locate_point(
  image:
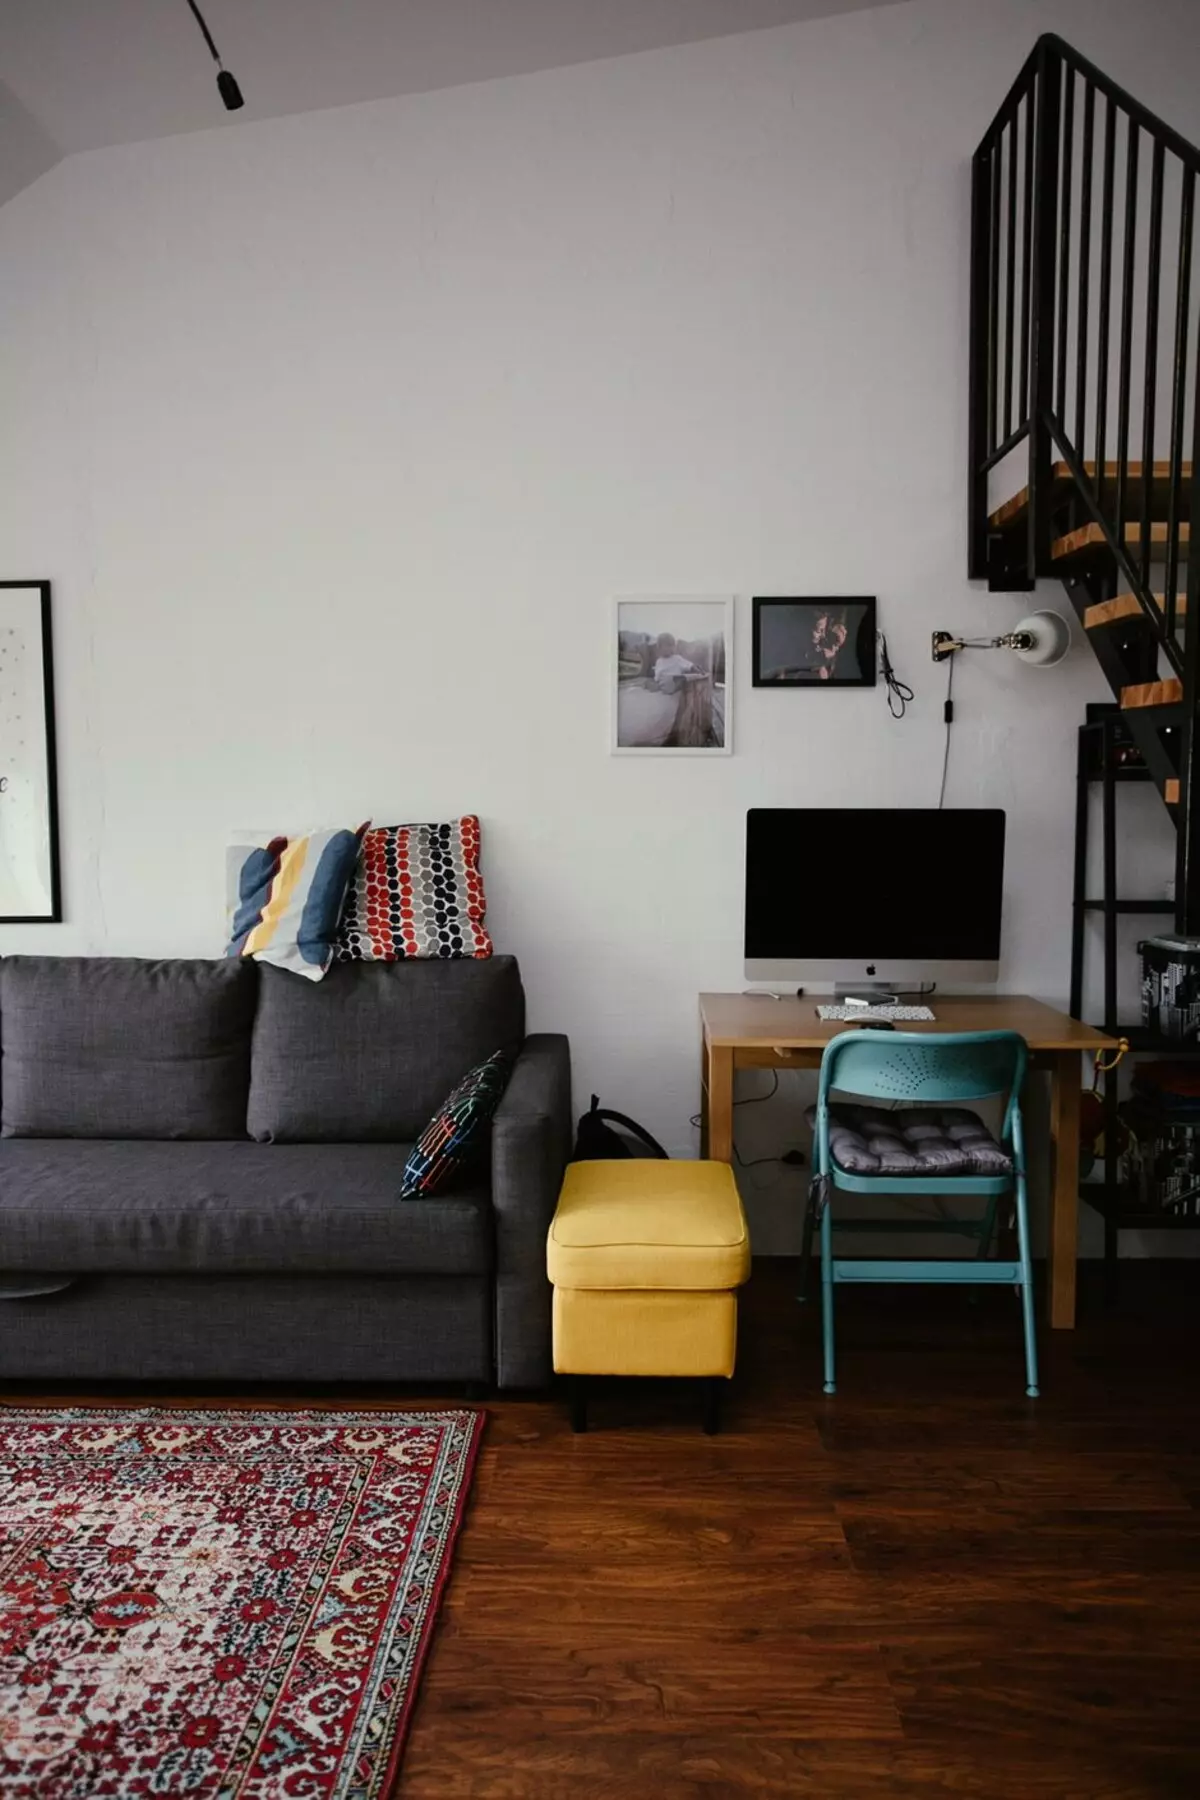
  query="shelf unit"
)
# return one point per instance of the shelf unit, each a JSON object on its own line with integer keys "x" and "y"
{"x": 1103, "y": 742}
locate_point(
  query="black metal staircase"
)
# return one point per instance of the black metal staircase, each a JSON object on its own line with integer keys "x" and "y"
{"x": 1085, "y": 395}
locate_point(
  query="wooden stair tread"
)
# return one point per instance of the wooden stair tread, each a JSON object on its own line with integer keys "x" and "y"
{"x": 1152, "y": 693}
{"x": 1171, "y": 791}
{"x": 1014, "y": 509}
{"x": 1090, "y": 537}
{"x": 1127, "y": 606}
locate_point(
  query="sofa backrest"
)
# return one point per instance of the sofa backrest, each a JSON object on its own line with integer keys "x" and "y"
{"x": 117, "y": 1047}
{"x": 369, "y": 1053}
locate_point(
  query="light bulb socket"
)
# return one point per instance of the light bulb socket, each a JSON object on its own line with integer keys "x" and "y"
{"x": 1042, "y": 640}
{"x": 229, "y": 90}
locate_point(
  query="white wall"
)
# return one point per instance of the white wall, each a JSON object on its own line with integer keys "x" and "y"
{"x": 336, "y": 433}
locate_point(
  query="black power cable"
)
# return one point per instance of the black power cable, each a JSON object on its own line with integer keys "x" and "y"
{"x": 227, "y": 86}
{"x": 899, "y": 694}
{"x": 948, "y": 716}
{"x": 751, "y": 1100}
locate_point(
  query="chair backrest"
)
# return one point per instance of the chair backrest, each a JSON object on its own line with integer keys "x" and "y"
{"x": 919, "y": 1066}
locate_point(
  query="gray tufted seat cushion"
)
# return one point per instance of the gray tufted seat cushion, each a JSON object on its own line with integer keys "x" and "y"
{"x": 926, "y": 1140}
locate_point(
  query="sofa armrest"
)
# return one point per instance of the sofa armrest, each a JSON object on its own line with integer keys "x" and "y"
{"x": 531, "y": 1143}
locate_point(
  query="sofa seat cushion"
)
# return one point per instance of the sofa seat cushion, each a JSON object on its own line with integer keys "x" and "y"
{"x": 916, "y": 1140}
{"x": 232, "y": 1208}
{"x": 120, "y": 1047}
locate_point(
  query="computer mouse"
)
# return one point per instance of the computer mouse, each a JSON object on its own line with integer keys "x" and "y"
{"x": 877, "y": 1025}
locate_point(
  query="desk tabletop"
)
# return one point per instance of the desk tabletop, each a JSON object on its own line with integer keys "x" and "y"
{"x": 740, "y": 1020}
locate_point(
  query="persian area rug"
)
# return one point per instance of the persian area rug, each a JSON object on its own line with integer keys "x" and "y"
{"x": 223, "y": 1605}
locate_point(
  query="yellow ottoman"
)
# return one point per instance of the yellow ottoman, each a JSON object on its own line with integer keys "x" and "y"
{"x": 646, "y": 1258}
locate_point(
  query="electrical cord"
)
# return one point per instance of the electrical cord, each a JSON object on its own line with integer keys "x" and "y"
{"x": 757, "y": 1099}
{"x": 751, "y": 1100}
{"x": 899, "y": 694}
{"x": 748, "y": 1099}
{"x": 948, "y": 716}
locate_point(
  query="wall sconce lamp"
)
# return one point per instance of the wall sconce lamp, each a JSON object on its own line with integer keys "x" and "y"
{"x": 1042, "y": 640}
{"x": 227, "y": 85}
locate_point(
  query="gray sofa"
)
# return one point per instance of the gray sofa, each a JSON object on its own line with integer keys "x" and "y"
{"x": 213, "y": 1152}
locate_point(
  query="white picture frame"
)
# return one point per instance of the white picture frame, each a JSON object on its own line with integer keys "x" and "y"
{"x": 30, "y": 885}
{"x": 671, "y": 665}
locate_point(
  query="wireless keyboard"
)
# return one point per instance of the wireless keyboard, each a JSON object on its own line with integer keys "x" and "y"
{"x": 862, "y": 1015}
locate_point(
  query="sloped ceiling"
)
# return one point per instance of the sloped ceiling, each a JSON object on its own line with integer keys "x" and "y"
{"x": 79, "y": 74}
{"x": 26, "y": 149}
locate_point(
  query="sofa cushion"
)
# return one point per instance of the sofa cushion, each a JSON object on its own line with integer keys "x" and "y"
{"x": 234, "y": 1208}
{"x": 286, "y": 897}
{"x": 115, "y": 1047}
{"x": 417, "y": 891}
{"x": 368, "y": 1054}
{"x": 457, "y": 1132}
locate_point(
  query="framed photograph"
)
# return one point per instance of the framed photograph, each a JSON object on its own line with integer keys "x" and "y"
{"x": 672, "y": 676}
{"x": 814, "y": 643}
{"x": 29, "y": 876}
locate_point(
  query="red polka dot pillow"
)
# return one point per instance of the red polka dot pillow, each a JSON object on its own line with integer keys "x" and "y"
{"x": 417, "y": 891}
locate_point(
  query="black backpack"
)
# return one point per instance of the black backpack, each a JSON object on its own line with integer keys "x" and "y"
{"x": 596, "y": 1141}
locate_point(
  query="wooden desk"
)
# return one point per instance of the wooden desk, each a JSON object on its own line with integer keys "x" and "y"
{"x": 752, "y": 1031}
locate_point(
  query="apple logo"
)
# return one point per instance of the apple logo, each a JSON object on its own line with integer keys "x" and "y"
{"x": 870, "y": 968}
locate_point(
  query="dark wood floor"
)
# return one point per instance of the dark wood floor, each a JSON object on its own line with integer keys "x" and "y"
{"x": 927, "y": 1586}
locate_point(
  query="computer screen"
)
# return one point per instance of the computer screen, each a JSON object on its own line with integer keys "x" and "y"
{"x": 873, "y": 890}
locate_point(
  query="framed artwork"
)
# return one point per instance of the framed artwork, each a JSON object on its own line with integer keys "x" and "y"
{"x": 814, "y": 643}
{"x": 671, "y": 674}
{"x": 30, "y": 891}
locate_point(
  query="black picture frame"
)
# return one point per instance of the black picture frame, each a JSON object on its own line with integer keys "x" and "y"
{"x": 822, "y": 672}
{"x": 54, "y": 914}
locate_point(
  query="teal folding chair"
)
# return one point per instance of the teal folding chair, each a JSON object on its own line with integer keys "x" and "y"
{"x": 915, "y": 1067}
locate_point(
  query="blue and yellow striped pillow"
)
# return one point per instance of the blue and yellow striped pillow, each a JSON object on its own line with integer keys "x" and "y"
{"x": 286, "y": 898}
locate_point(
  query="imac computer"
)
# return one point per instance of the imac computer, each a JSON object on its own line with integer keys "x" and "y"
{"x": 872, "y": 899}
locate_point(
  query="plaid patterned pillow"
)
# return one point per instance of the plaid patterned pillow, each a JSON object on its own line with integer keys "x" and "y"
{"x": 456, "y": 1128}
{"x": 417, "y": 891}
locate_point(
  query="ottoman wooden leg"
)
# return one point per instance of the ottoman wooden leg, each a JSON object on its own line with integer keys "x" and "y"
{"x": 713, "y": 1385}
{"x": 578, "y": 1392}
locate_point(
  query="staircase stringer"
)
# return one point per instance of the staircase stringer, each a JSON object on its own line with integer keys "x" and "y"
{"x": 1127, "y": 659}
{"x": 1127, "y": 570}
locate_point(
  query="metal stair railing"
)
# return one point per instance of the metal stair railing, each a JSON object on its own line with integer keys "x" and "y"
{"x": 1045, "y": 357}
{"x": 1083, "y": 233}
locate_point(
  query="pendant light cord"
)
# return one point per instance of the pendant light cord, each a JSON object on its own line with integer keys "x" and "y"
{"x": 227, "y": 86}
{"x": 205, "y": 33}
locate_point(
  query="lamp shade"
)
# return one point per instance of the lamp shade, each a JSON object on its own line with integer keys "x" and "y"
{"x": 1049, "y": 638}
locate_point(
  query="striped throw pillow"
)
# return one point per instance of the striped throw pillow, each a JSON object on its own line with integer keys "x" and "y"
{"x": 454, "y": 1133}
{"x": 286, "y": 898}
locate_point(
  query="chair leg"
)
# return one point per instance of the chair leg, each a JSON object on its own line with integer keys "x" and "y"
{"x": 1111, "y": 1264}
{"x": 987, "y": 1230}
{"x": 578, "y": 1392}
{"x": 1031, "y": 1364}
{"x": 806, "y": 1245}
{"x": 713, "y": 1385}
{"x": 827, "y": 1297}
{"x": 984, "y": 1236}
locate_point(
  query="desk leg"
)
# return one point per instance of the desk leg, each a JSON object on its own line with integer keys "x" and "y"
{"x": 1064, "y": 1195}
{"x": 703, "y": 1096}
{"x": 720, "y": 1105}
